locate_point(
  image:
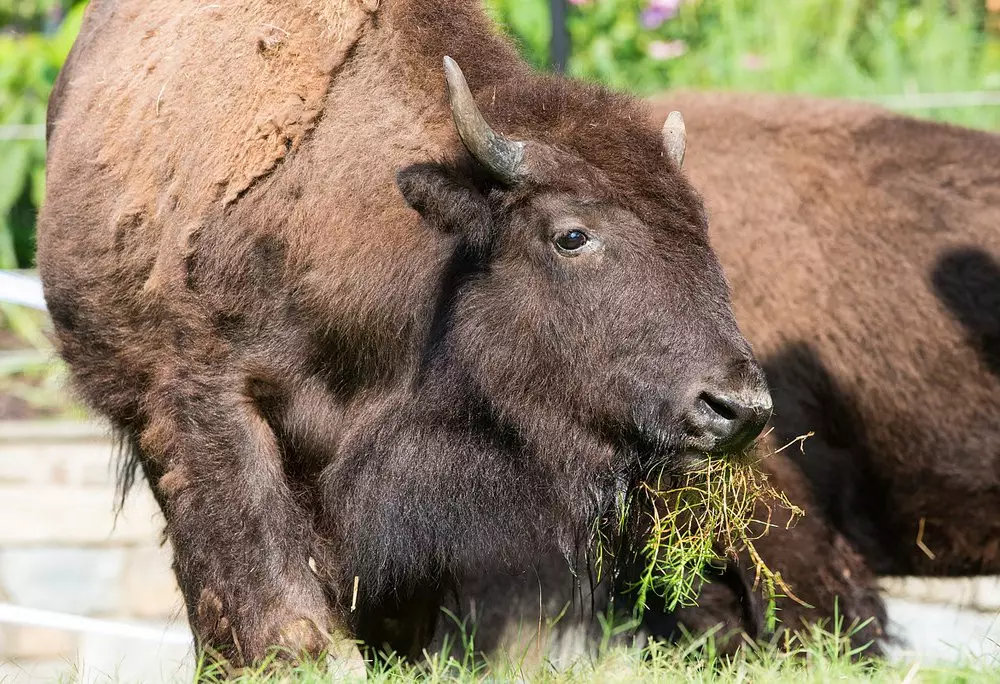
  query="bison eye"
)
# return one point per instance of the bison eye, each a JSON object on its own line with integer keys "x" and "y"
{"x": 571, "y": 241}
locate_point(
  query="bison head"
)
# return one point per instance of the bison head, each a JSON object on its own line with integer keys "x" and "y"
{"x": 592, "y": 309}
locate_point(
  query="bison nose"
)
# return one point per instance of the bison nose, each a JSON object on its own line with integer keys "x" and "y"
{"x": 727, "y": 421}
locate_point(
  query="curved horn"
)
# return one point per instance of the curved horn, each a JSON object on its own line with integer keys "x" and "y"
{"x": 675, "y": 138}
{"x": 500, "y": 156}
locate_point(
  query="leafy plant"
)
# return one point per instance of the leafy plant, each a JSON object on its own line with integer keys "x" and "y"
{"x": 687, "y": 522}
{"x": 29, "y": 63}
{"x": 528, "y": 23}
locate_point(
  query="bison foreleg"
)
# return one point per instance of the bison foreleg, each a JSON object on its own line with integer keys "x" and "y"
{"x": 241, "y": 542}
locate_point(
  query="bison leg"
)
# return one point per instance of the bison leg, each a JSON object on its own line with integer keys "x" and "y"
{"x": 242, "y": 544}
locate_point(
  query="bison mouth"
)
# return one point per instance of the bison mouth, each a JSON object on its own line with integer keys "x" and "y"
{"x": 656, "y": 450}
{"x": 679, "y": 445}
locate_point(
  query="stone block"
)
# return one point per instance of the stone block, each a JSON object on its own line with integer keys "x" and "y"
{"x": 27, "y": 642}
{"x": 53, "y": 453}
{"x": 901, "y": 587}
{"x": 956, "y": 591}
{"x": 51, "y": 515}
{"x": 99, "y": 472}
{"x": 105, "y": 658}
{"x": 80, "y": 581}
{"x": 941, "y": 633}
{"x": 150, "y": 589}
{"x": 987, "y": 596}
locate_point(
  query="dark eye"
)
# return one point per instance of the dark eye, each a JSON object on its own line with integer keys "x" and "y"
{"x": 571, "y": 240}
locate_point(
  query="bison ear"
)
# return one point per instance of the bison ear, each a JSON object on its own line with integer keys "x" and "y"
{"x": 445, "y": 199}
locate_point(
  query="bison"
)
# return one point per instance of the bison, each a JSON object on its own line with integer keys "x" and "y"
{"x": 374, "y": 329}
{"x": 863, "y": 248}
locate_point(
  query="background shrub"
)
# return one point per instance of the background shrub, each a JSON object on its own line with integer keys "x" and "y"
{"x": 34, "y": 41}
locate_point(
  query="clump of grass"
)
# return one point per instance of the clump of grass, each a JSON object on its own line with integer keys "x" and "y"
{"x": 823, "y": 653}
{"x": 700, "y": 519}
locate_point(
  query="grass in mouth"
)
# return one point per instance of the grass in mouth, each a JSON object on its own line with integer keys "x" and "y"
{"x": 709, "y": 514}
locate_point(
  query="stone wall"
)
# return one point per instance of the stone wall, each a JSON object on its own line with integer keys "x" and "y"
{"x": 951, "y": 619}
{"x": 61, "y": 549}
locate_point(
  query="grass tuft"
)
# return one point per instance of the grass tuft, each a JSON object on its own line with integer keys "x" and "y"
{"x": 821, "y": 654}
{"x": 700, "y": 519}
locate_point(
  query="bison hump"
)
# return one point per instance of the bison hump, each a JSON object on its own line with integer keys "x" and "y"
{"x": 187, "y": 104}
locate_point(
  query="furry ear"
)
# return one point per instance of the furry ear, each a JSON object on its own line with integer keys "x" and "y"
{"x": 446, "y": 199}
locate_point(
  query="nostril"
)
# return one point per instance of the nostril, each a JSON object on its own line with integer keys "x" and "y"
{"x": 720, "y": 406}
{"x": 724, "y": 422}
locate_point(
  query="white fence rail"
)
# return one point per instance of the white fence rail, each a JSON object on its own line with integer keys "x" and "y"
{"x": 21, "y": 288}
{"x": 108, "y": 651}
{"x": 33, "y": 617}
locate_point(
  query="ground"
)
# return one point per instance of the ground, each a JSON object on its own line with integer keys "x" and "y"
{"x": 820, "y": 657}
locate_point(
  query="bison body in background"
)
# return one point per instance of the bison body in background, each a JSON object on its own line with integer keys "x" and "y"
{"x": 863, "y": 248}
{"x": 361, "y": 363}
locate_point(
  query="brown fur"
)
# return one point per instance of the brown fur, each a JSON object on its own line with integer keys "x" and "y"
{"x": 312, "y": 374}
{"x": 341, "y": 353}
{"x": 864, "y": 252}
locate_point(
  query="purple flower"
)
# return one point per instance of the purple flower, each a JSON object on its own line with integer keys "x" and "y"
{"x": 659, "y": 11}
{"x": 664, "y": 50}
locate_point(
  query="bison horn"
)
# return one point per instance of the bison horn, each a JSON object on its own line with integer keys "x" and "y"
{"x": 675, "y": 138}
{"x": 500, "y": 156}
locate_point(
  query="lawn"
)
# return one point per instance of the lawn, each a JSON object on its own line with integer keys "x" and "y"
{"x": 820, "y": 656}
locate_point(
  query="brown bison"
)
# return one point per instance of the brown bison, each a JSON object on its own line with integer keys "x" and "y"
{"x": 863, "y": 248}
{"x": 371, "y": 335}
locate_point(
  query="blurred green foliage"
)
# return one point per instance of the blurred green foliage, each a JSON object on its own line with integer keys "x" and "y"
{"x": 30, "y": 57}
{"x": 528, "y": 22}
{"x": 859, "y": 48}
